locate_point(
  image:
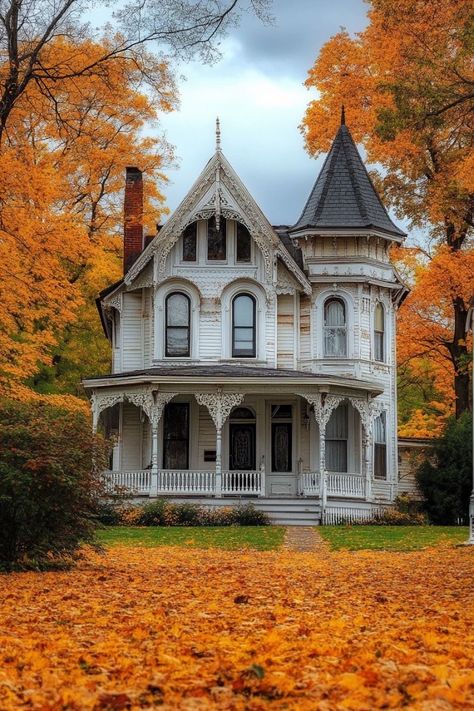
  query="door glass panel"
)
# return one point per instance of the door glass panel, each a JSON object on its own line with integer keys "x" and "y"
{"x": 242, "y": 446}
{"x": 176, "y": 436}
{"x": 281, "y": 446}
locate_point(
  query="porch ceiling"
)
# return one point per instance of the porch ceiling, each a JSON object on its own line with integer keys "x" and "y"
{"x": 255, "y": 378}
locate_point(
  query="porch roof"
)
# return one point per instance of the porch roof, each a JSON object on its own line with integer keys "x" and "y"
{"x": 229, "y": 374}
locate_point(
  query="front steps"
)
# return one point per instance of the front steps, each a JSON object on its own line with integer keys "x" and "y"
{"x": 281, "y": 511}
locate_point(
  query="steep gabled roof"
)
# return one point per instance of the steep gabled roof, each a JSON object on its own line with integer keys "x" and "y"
{"x": 344, "y": 196}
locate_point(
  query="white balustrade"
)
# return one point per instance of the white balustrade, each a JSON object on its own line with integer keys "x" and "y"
{"x": 242, "y": 482}
{"x": 347, "y": 485}
{"x": 137, "y": 482}
{"x": 310, "y": 483}
{"x": 186, "y": 481}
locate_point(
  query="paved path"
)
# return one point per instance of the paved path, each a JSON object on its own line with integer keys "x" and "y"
{"x": 305, "y": 539}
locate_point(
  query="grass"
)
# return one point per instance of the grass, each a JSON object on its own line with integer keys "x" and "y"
{"x": 392, "y": 538}
{"x": 263, "y": 538}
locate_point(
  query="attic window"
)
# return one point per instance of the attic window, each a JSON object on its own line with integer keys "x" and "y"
{"x": 190, "y": 242}
{"x": 244, "y": 245}
{"x": 216, "y": 240}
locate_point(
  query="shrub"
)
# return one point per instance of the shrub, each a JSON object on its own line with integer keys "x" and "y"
{"x": 165, "y": 513}
{"x": 392, "y": 517}
{"x": 153, "y": 514}
{"x": 49, "y": 488}
{"x": 446, "y": 481}
{"x": 248, "y": 515}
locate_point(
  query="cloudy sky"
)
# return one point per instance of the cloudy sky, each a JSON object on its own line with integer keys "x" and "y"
{"x": 257, "y": 91}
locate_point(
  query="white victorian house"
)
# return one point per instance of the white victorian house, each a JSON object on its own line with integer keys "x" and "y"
{"x": 252, "y": 360}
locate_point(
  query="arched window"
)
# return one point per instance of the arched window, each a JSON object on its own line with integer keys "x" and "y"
{"x": 216, "y": 239}
{"x": 243, "y": 250}
{"x": 379, "y": 332}
{"x": 335, "y": 328}
{"x": 243, "y": 326}
{"x": 178, "y": 329}
{"x": 380, "y": 447}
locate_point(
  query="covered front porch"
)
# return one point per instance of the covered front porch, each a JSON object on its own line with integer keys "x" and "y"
{"x": 302, "y": 436}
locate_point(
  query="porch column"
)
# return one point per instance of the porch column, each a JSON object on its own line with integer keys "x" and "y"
{"x": 367, "y": 445}
{"x": 323, "y": 405}
{"x": 368, "y": 411}
{"x": 219, "y": 405}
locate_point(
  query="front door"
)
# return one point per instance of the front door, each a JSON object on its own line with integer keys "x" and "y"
{"x": 242, "y": 446}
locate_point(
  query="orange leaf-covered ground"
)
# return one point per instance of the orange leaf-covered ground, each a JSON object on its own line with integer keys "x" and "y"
{"x": 194, "y": 629}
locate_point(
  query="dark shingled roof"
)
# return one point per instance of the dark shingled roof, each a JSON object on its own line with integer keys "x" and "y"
{"x": 295, "y": 252}
{"x": 218, "y": 370}
{"x": 344, "y": 195}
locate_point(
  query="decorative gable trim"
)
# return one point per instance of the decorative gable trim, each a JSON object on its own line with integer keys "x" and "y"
{"x": 220, "y": 192}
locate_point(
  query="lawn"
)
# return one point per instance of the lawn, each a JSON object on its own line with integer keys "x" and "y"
{"x": 262, "y": 538}
{"x": 392, "y": 538}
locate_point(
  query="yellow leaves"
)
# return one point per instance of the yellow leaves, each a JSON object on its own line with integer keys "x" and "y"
{"x": 143, "y": 628}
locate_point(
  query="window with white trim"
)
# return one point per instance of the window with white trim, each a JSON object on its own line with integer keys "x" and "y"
{"x": 380, "y": 447}
{"x": 379, "y": 332}
{"x": 178, "y": 326}
{"x": 336, "y": 439}
{"x": 243, "y": 326}
{"x": 335, "y": 328}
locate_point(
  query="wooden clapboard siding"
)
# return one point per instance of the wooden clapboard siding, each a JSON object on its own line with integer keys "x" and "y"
{"x": 132, "y": 331}
{"x": 285, "y": 331}
{"x": 131, "y": 438}
{"x": 305, "y": 327}
{"x": 210, "y": 330}
{"x": 206, "y": 438}
{"x": 147, "y": 328}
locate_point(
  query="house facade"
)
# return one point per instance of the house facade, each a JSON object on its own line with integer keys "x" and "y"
{"x": 252, "y": 360}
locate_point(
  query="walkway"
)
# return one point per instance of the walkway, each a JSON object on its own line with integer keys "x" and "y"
{"x": 305, "y": 539}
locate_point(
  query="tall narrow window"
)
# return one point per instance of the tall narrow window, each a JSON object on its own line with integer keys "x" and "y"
{"x": 190, "y": 243}
{"x": 335, "y": 336}
{"x": 176, "y": 436}
{"x": 216, "y": 240}
{"x": 282, "y": 429}
{"x": 336, "y": 440}
{"x": 177, "y": 325}
{"x": 379, "y": 331}
{"x": 244, "y": 244}
{"x": 380, "y": 447}
{"x": 243, "y": 326}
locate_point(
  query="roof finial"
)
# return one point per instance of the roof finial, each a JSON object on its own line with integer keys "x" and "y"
{"x": 343, "y": 115}
{"x": 218, "y": 134}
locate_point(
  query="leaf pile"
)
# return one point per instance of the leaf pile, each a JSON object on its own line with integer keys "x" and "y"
{"x": 193, "y": 629}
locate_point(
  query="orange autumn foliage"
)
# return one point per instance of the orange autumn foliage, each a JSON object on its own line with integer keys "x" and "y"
{"x": 196, "y": 629}
{"x": 61, "y": 180}
{"x": 406, "y": 82}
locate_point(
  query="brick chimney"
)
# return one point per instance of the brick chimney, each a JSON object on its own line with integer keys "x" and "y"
{"x": 133, "y": 217}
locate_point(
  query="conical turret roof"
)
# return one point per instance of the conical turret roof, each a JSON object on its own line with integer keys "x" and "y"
{"x": 344, "y": 196}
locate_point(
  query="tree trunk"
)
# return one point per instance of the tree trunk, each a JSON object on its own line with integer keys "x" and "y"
{"x": 460, "y": 357}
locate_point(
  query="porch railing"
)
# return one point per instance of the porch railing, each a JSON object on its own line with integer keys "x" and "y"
{"x": 310, "y": 483}
{"x": 138, "y": 482}
{"x": 242, "y": 482}
{"x": 172, "y": 481}
{"x": 342, "y": 484}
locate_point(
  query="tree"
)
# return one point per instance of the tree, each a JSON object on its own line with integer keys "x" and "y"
{"x": 407, "y": 84}
{"x": 446, "y": 481}
{"x": 61, "y": 182}
{"x": 28, "y": 28}
{"x": 49, "y": 484}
